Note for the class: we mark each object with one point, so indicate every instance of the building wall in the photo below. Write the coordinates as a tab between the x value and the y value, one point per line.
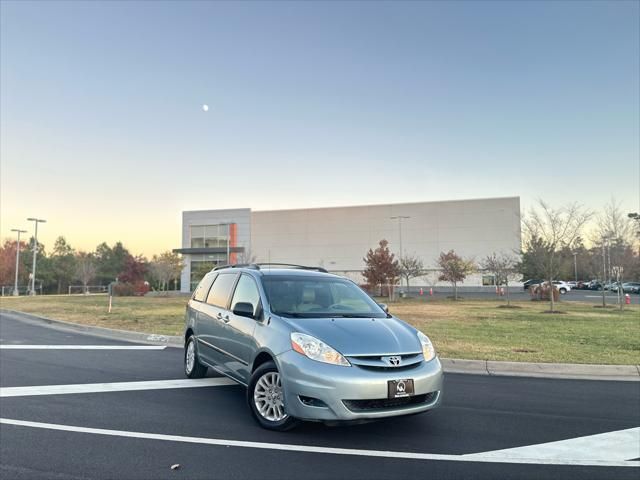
338	238
240	216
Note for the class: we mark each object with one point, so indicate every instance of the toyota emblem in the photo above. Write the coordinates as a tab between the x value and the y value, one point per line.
393	361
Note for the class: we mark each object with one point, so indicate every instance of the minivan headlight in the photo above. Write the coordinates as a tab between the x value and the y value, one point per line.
314	349
427	347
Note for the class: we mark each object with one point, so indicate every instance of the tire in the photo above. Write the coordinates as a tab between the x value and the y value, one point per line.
266	399
192	366
563	291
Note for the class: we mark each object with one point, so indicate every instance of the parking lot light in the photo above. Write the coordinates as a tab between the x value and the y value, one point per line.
15	285
35	253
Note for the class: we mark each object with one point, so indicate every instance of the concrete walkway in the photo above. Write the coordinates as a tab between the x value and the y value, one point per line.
450	365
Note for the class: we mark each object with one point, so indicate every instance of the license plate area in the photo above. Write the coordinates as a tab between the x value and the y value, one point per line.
400	388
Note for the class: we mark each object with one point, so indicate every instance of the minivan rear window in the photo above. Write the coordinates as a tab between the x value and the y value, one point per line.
221	290
203	288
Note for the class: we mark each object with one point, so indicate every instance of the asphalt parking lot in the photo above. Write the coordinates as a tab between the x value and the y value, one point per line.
75	406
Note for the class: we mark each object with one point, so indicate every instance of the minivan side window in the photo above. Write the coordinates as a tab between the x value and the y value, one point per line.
221	290
203	287
246	292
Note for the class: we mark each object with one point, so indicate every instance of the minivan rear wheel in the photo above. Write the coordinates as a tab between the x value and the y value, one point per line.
266	399
192	366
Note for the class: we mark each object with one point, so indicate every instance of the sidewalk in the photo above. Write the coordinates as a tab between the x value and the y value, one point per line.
450	365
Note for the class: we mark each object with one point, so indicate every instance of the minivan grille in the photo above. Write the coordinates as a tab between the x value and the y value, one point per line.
377	362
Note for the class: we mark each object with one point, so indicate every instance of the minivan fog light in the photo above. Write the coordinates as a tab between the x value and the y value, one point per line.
314	349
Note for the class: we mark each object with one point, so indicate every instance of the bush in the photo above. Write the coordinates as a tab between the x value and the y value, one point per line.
123	289
542	292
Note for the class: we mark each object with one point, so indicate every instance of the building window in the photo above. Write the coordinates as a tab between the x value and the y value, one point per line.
488	280
202	264
210	236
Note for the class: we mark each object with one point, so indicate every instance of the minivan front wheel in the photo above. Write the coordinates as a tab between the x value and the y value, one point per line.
266	399
192	366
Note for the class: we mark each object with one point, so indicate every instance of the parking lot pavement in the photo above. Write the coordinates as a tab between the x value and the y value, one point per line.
117	413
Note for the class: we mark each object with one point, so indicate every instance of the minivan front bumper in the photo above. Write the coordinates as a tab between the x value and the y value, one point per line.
324	392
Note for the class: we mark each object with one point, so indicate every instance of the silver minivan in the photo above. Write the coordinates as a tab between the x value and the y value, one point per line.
308	345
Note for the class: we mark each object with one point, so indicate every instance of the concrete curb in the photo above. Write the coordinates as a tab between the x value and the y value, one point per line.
627	373
110	333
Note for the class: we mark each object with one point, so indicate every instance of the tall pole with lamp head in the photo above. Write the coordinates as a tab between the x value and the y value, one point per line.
35	254
15	285
400	218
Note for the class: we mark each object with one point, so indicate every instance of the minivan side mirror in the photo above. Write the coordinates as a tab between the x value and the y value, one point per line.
243	309
384	307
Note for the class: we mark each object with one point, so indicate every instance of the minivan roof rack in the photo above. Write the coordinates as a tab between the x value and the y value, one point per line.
256	266
237	265
291	265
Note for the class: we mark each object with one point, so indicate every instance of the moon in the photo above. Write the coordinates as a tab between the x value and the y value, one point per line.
205	107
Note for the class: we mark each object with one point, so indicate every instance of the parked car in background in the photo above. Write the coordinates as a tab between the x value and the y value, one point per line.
629	287
530	282
563	287
594	285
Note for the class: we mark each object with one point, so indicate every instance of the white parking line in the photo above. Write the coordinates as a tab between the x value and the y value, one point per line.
619	445
81	347
113	387
481	457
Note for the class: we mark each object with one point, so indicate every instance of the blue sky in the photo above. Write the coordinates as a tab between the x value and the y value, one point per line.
311	104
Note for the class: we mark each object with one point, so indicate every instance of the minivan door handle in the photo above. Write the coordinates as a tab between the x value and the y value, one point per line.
219	316
226	318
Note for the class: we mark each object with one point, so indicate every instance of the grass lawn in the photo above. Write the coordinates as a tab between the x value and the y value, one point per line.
472	329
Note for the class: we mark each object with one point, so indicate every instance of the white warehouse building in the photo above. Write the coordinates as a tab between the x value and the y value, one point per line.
337	238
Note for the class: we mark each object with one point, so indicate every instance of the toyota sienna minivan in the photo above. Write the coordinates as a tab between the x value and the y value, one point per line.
308	345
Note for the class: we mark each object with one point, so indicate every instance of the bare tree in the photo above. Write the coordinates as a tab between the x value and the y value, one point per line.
614	224
165	267
410	267
454	269
85	268
246	256
504	267
556	228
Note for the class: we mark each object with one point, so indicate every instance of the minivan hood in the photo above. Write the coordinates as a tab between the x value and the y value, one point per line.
360	336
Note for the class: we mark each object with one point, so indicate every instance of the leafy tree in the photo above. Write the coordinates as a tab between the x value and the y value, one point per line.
382	268
62	263
454	269
504	267
45	276
134	269
165	267
110	262
85	268
8	263
410	267
554	229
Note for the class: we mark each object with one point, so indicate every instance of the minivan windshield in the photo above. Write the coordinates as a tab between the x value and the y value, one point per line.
312	297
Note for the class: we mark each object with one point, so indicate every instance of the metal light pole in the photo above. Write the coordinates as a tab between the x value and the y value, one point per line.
228	241
575	266
604	272
399	218
15	285
35	253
